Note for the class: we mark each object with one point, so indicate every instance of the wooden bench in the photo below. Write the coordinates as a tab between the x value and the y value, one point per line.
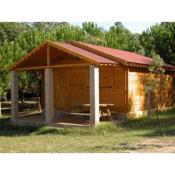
104	109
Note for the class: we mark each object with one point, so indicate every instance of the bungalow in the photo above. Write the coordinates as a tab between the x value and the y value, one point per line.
76	73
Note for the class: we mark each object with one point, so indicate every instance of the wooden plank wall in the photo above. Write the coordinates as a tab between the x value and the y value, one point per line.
113	87
137	91
71	87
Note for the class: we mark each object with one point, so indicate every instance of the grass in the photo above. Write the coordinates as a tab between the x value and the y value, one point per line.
139	135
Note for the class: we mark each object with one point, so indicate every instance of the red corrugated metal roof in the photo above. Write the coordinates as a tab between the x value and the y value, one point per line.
97	54
85	53
71	49
129	57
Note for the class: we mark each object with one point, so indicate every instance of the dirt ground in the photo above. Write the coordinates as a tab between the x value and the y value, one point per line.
153	145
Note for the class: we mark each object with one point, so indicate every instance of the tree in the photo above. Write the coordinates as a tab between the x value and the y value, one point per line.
120	37
4	86
93	33
47	26
36	87
4	79
155	81
160	39
9	31
7	54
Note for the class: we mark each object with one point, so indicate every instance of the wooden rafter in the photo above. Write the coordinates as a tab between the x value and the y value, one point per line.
109	65
26	56
52	44
48	55
137	65
69	65
30	68
76	54
52	66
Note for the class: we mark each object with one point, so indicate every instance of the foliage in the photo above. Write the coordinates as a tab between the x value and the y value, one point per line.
160	39
93	33
9	31
47	26
92	28
121	38
9	52
155	80
157	65
4	79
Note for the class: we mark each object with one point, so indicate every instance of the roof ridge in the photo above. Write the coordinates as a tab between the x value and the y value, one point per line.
124	51
97	52
75	53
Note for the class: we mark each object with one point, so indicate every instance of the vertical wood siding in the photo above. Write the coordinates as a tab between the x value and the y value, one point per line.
138	95
71	86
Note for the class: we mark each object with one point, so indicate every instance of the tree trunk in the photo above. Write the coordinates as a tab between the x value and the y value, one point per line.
22	97
38	102
158	99
39	105
149	103
157	111
0	107
5	97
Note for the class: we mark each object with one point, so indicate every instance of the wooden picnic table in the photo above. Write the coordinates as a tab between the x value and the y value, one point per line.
104	109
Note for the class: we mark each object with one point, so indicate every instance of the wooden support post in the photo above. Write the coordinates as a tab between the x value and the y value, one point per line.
48	55
14	95
94	95
49	98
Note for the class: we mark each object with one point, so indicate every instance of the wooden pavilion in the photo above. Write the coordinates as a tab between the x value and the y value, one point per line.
76	73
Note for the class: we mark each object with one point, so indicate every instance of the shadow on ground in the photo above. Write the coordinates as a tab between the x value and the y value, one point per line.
7	129
140	127
165	126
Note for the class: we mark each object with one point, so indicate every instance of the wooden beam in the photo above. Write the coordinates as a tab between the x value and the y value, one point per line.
76	54
137	65
48	55
69	65
111	65
26	56
30	68
57	46
52	66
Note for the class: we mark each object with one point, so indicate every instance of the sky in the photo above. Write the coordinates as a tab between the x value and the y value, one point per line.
135	27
